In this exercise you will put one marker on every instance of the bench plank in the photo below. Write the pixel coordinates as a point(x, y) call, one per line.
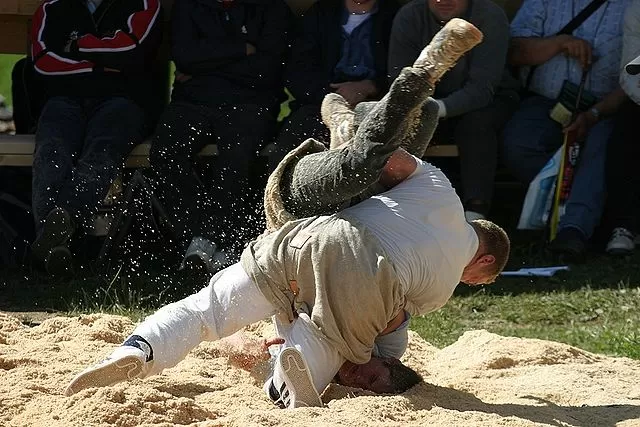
point(17, 150)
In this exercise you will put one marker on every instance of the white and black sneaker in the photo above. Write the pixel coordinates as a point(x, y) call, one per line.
point(621, 242)
point(125, 363)
point(291, 385)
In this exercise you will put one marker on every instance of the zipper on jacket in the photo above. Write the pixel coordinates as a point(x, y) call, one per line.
point(83, 5)
point(106, 9)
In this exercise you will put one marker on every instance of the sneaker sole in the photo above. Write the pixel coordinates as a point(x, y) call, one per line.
point(105, 375)
point(455, 39)
point(296, 372)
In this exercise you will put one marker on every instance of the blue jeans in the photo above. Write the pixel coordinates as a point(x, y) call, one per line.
point(81, 145)
point(531, 138)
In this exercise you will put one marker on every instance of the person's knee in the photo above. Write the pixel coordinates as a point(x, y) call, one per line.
point(58, 109)
point(127, 113)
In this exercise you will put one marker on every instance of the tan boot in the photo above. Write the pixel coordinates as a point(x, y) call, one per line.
point(454, 39)
point(338, 116)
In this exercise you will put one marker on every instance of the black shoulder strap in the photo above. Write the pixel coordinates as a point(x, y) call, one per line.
point(581, 17)
point(571, 26)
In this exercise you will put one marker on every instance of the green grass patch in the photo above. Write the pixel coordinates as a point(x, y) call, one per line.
point(595, 306)
point(6, 65)
point(597, 320)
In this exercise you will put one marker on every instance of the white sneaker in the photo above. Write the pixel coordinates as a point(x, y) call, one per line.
point(291, 385)
point(125, 363)
point(621, 242)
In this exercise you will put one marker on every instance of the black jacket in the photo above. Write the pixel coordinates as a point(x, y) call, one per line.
point(317, 48)
point(209, 43)
point(73, 50)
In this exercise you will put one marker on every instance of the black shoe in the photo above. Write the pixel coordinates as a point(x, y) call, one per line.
point(56, 231)
point(59, 262)
point(570, 245)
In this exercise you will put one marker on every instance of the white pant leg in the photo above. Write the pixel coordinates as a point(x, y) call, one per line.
point(230, 302)
point(323, 359)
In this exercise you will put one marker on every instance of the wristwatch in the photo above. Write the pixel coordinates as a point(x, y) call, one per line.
point(595, 113)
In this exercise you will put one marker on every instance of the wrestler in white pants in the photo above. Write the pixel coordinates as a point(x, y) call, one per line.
point(230, 302)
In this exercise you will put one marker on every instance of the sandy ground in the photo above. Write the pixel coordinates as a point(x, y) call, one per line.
point(481, 380)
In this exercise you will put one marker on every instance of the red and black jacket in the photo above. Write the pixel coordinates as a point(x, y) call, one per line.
point(107, 53)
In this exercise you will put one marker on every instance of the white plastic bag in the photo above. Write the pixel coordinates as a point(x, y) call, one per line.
point(537, 203)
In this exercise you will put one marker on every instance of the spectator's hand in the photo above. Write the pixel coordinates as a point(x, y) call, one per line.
point(251, 49)
point(577, 48)
point(247, 353)
point(355, 92)
point(581, 125)
point(181, 77)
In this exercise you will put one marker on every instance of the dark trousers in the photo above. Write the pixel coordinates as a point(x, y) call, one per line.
point(81, 144)
point(622, 177)
point(323, 182)
point(476, 134)
point(217, 210)
point(302, 124)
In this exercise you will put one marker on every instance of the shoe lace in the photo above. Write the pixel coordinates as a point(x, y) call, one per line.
point(621, 232)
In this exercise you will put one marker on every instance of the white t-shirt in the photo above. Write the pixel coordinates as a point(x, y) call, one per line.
point(353, 20)
point(421, 226)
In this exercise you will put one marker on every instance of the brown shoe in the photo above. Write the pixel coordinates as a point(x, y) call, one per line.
point(338, 116)
point(455, 39)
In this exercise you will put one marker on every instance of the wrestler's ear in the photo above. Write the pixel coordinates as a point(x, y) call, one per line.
point(486, 260)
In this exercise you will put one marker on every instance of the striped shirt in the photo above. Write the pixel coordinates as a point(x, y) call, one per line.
point(603, 31)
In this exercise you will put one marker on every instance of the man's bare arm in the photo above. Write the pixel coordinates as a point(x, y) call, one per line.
point(245, 352)
point(538, 50)
point(398, 168)
point(395, 323)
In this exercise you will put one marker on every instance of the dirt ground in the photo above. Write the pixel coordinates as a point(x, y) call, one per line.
point(481, 380)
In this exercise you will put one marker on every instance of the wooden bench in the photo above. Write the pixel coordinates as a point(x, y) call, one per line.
point(17, 150)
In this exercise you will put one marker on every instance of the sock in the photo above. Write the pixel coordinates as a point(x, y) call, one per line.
point(140, 343)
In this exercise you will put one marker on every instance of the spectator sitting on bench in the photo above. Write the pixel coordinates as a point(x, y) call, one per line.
point(95, 73)
point(475, 98)
point(229, 57)
point(532, 137)
point(340, 46)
